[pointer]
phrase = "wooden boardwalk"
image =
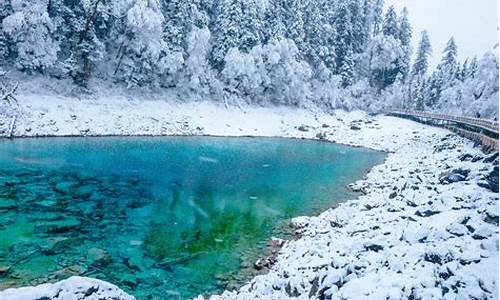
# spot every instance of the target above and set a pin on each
(476, 129)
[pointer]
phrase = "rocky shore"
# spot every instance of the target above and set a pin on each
(426, 226)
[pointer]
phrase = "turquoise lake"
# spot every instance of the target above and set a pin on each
(161, 217)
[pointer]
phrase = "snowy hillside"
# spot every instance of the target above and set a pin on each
(349, 54)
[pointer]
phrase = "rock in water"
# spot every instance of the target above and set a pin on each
(98, 256)
(59, 226)
(75, 287)
(4, 270)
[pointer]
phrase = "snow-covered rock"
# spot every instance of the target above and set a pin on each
(73, 288)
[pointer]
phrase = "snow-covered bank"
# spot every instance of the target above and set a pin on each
(424, 228)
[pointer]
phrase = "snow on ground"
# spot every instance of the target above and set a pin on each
(423, 229)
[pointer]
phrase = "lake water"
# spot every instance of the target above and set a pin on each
(166, 217)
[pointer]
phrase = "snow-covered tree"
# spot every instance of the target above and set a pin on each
(177, 24)
(275, 68)
(346, 70)
(5, 10)
(199, 78)
(359, 36)
(386, 75)
(448, 67)
(274, 24)
(396, 95)
(251, 25)
(471, 68)
(367, 17)
(320, 35)
(344, 52)
(421, 64)
(484, 88)
(419, 93)
(294, 21)
(445, 75)
(390, 27)
(382, 56)
(30, 30)
(245, 73)
(378, 9)
(143, 55)
(289, 75)
(477, 95)
(227, 30)
(86, 40)
(326, 88)
(405, 34)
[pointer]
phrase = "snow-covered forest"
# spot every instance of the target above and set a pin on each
(345, 54)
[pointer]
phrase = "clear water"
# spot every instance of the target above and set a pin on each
(160, 217)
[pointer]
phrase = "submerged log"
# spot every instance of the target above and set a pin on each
(179, 260)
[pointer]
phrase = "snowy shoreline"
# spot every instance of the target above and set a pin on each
(423, 228)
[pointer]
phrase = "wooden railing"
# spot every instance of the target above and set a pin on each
(476, 129)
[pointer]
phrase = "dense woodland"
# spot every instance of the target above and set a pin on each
(330, 53)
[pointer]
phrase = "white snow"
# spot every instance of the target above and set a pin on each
(72, 288)
(408, 235)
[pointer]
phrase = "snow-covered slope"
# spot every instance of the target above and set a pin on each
(424, 228)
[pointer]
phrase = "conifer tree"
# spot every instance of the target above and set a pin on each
(446, 73)
(449, 63)
(347, 68)
(274, 28)
(367, 17)
(178, 23)
(421, 64)
(377, 17)
(405, 34)
(251, 26)
(472, 68)
(87, 41)
(294, 21)
(227, 30)
(359, 36)
(390, 26)
(319, 35)
(344, 40)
